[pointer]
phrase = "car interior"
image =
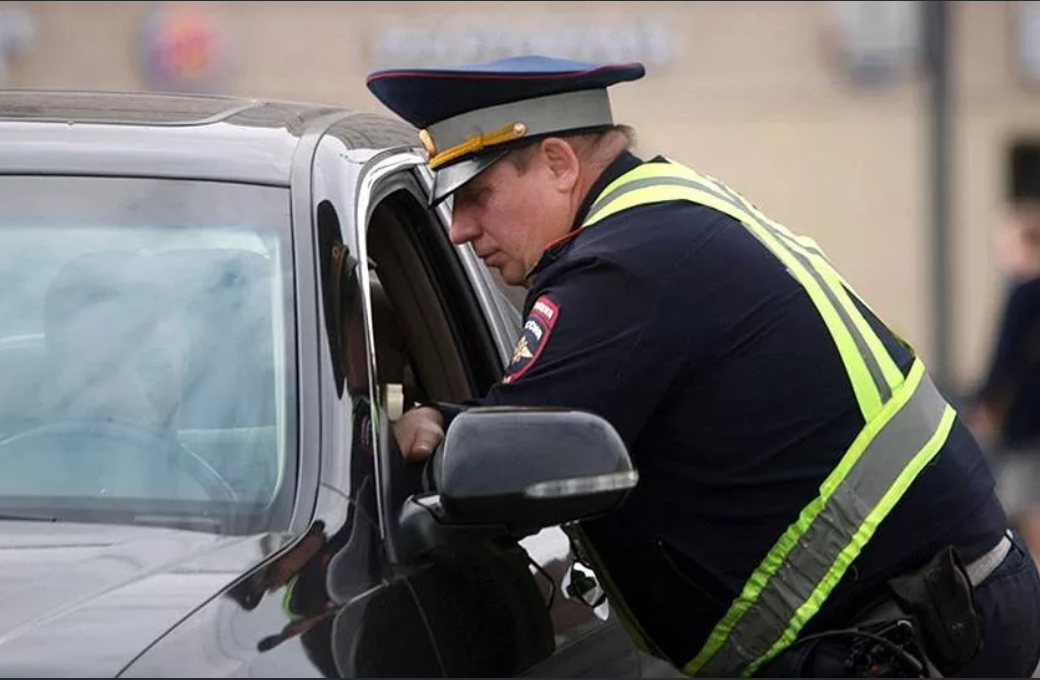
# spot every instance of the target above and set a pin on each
(429, 344)
(95, 309)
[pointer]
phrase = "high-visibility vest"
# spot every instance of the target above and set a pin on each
(906, 423)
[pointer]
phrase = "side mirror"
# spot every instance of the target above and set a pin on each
(531, 468)
(515, 470)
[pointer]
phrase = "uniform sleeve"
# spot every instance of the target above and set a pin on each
(590, 341)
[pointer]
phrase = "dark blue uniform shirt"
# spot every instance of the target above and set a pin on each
(674, 323)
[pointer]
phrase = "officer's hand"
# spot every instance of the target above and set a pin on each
(419, 432)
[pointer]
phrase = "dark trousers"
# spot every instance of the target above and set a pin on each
(1008, 605)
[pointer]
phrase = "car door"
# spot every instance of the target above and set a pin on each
(352, 616)
(493, 608)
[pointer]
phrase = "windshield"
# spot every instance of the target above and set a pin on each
(145, 349)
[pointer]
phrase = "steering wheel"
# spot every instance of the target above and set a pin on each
(108, 449)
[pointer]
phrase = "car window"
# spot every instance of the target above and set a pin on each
(145, 340)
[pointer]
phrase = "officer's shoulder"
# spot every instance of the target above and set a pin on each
(647, 226)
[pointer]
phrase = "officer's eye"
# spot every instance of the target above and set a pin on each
(472, 194)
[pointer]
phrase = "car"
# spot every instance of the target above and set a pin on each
(212, 309)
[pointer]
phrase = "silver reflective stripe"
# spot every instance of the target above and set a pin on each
(830, 532)
(882, 386)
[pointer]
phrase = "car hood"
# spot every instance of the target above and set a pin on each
(85, 599)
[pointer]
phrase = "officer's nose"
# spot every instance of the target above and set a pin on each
(463, 228)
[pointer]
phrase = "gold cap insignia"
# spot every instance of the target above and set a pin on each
(427, 142)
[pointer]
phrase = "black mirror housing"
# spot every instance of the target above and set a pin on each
(528, 468)
(512, 471)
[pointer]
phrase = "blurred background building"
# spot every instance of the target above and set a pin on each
(823, 113)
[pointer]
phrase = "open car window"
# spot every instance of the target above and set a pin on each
(146, 342)
(432, 340)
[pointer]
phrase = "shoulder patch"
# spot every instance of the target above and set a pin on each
(533, 336)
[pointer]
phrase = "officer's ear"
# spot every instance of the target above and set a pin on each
(562, 162)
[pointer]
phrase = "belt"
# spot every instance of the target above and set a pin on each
(980, 569)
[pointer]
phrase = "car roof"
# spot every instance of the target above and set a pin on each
(177, 135)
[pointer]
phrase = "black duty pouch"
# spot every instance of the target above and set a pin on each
(940, 598)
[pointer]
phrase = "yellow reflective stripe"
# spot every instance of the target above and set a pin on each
(802, 569)
(776, 556)
(662, 171)
(839, 286)
(623, 202)
(737, 206)
(867, 394)
(893, 376)
(907, 422)
(863, 536)
(845, 292)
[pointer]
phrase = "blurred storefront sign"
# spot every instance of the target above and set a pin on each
(478, 39)
(183, 48)
(874, 43)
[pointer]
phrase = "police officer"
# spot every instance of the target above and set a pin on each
(806, 495)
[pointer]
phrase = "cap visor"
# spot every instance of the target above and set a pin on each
(450, 179)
